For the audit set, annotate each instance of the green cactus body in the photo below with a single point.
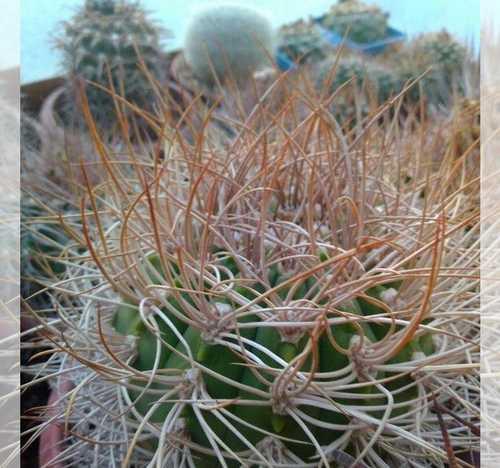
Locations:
(105, 33)
(219, 359)
(364, 23)
(228, 43)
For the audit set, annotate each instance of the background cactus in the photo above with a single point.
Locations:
(228, 42)
(370, 79)
(287, 302)
(106, 33)
(42, 243)
(302, 41)
(440, 53)
(443, 50)
(365, 22)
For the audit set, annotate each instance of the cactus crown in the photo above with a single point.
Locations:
(112, 33)
(103, 7)
(228, 42)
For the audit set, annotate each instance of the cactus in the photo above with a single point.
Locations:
(228, 42)
(370, 78)
(111, 33)
(365, 23)
(440, 53)
(443, 50)
(43, 241)
(302, 41)
(285, 303)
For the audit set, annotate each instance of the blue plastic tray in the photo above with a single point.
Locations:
(375, 47)
(284, 62)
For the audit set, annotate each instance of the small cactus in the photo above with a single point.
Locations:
(302, 41)
(379, 80)
(42, 243)
(443, 50)
(228, 42)
(442, 56)
(347, 68)
(106, 33)
(363, 23)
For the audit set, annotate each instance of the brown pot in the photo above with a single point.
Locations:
(53, 434)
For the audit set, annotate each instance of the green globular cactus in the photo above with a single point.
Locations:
(111, 33)
(250, 366)
(302, 41)
(228, 42)
(363, 22)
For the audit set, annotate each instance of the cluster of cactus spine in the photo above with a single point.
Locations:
(269, 325)
(228, 43)
(112, 35)
(363, 22)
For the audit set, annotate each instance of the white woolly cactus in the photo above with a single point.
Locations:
(228, 42)
(288, 301)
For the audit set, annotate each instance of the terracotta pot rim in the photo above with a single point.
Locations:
(53, 434)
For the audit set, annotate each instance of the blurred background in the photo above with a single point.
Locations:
(39, 19)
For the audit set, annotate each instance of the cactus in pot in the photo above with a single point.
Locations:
(302, 41)
(111, 34)
(286, 302)
(363, 22)
(228, 42)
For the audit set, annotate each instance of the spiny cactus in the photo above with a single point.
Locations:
(43, 240)
(369, 78)
(111, 33)
(302, 41)
(228, 42)
(443, 50)
(440, 53)
(286, 302)
(347, 68)
(365, 23)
